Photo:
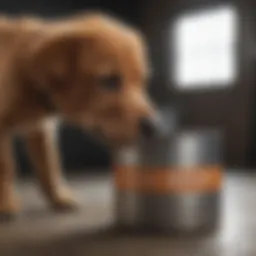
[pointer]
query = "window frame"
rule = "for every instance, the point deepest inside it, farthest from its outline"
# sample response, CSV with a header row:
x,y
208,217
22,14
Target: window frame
x,y
201,86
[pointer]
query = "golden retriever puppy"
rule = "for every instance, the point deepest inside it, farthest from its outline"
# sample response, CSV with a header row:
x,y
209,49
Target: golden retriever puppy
x,y
91,70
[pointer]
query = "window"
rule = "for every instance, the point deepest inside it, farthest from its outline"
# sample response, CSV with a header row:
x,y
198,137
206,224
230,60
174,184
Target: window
x,y
205,49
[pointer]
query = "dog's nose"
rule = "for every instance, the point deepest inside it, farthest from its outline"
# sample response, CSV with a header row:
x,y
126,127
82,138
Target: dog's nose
x,y
148,127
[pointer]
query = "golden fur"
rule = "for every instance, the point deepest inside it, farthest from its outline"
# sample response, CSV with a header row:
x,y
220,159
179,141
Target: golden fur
x,y
66,60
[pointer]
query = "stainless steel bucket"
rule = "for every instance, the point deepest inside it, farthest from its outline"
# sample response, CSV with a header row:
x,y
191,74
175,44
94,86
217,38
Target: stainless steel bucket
x,y
170,183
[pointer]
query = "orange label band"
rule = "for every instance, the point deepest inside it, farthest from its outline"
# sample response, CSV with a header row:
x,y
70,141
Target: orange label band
x,y
168,180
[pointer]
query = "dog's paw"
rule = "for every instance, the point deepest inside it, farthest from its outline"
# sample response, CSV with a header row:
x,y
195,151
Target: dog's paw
x,y
8,210
64,203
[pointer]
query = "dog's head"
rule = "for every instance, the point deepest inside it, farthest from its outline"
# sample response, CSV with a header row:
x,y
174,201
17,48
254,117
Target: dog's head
x,y
95,70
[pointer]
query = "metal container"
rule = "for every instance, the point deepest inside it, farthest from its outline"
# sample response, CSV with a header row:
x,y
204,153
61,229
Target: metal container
x,y
171,183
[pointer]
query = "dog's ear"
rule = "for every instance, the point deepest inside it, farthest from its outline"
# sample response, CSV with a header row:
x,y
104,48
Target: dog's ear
x,y
54,61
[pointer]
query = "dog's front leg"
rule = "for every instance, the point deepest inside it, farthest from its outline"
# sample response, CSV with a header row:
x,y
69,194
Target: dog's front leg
x,y
8,200
42,148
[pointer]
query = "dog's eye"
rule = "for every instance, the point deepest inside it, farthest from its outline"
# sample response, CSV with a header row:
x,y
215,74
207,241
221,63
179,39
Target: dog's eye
x,y
111,82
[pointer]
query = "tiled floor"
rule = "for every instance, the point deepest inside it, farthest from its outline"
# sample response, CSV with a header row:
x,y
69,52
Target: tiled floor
x,y
40,232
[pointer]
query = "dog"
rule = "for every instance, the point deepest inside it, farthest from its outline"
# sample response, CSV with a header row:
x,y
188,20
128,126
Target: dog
x,y
90,70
